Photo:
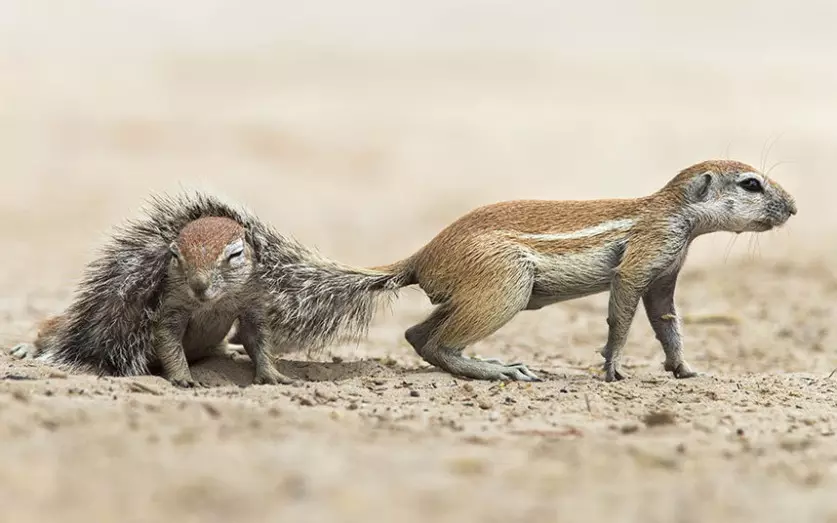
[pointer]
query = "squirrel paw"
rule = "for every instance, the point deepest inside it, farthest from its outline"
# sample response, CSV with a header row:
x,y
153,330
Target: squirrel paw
x,y
188,384
681,370
613,374
236,354
271,377
23,351
511,371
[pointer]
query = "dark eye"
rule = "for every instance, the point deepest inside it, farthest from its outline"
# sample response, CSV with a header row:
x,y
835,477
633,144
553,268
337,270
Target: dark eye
x,y
751,185
234,255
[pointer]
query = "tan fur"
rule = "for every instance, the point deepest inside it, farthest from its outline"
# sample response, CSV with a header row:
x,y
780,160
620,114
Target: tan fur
x,y
503,258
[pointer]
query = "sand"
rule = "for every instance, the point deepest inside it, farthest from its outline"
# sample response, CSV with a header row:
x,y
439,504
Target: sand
x,y
363,129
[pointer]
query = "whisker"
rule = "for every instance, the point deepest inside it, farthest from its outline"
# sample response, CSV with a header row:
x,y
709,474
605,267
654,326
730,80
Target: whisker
x,y
730,244
770,148
778,164
726,153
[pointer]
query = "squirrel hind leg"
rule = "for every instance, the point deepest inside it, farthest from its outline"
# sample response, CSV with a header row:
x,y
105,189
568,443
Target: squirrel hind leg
x,y
442,337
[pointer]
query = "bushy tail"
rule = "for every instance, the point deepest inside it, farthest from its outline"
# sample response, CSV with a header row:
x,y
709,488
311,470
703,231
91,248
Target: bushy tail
x,y
316,301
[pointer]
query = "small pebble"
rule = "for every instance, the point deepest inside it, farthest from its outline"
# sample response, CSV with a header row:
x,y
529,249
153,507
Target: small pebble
x,y
20,396
630,428
655,419
212,410
414,393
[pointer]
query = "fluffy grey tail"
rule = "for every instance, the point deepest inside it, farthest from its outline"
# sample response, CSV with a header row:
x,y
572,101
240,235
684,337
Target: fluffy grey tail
x,y
315,301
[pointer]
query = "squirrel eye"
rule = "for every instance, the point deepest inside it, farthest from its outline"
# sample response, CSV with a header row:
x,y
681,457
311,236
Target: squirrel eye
x,y
751,185
235,255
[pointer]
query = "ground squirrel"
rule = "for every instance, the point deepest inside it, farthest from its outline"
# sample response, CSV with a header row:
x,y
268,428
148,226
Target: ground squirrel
x,y
513,256
480,271
167,289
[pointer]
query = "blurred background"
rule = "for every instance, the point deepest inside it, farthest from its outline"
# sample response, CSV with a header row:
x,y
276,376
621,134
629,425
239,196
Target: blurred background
x,y
364,127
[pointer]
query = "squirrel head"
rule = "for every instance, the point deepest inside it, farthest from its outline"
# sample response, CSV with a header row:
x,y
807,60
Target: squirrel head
x,y
211,257
725,195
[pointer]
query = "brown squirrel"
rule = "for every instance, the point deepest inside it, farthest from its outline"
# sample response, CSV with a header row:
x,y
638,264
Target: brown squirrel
x,y
513,256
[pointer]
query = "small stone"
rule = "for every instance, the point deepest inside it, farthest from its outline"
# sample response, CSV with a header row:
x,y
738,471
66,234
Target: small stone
x,y
323,395
21,396
306,402
655,419
352,406
484,404
630,428
336,359
414,393
212,410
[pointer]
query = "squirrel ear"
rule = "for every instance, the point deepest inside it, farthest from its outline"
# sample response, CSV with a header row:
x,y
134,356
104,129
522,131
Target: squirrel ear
x,y
698,189
174,249
254,240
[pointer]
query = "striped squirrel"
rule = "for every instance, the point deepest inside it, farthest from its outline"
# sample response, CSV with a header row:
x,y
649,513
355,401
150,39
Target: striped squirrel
x,y
512,256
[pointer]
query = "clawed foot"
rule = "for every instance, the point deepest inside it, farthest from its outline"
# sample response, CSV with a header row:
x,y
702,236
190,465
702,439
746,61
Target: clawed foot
x,y
23,351
613,374
271,376
188,383
509,371
236,354
681,370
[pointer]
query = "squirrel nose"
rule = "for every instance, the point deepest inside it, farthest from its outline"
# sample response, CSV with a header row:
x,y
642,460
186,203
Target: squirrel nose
x,y
792,208
199,285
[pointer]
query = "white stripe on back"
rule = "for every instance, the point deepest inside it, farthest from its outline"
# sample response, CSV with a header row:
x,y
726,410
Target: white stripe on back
x,y
623,224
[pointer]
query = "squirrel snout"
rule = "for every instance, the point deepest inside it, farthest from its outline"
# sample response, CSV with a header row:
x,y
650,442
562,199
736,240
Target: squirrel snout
x,y
199,285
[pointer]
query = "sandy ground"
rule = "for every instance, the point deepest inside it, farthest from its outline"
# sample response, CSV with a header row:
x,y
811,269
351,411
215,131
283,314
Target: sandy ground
x,y
363,130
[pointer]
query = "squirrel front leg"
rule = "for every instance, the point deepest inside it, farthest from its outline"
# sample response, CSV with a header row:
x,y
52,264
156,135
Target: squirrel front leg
x,y
168,345
254,335
665,321
624,300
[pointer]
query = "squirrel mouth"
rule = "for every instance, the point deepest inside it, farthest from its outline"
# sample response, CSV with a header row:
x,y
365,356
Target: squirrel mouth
x,y
763,225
